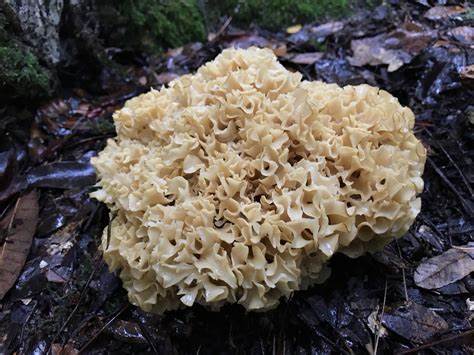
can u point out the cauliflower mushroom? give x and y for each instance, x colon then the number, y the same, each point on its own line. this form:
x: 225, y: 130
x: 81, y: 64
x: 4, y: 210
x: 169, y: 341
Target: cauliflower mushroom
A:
x: 236, y: 184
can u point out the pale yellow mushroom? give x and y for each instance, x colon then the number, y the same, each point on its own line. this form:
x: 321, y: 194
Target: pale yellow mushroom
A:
x: 238, y: 183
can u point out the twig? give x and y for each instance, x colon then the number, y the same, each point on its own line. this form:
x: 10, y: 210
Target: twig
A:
x: 403, y: 272
x: 467, y: 334
x: 83, y: 292
x: 148, y: 337
x: 434, y: 229
x: 377, y: 337
x: 89, y: 220
x: 85, y: 140
x: 25, y: 323
x: 10, y: 223
x: 451, y: 160
x: 334, y: 345
x: 103, y: 328
x: 450, y: 185
x: 222, y: 29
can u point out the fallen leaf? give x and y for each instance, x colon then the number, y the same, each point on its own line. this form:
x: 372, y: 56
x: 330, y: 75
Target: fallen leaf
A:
x: 280, y: 50
x: 68, y: 349
x: 166, y: 77
x: 142, y: 80
x: 53, y: 276
x: 470, y: 304
x: 294, y: 29
x: 17, y: 243
x: 306, y: 58
x: 129, y: 332
x: 371, y: 51
x: 395, y: 48
x: 245, y: 41
x: 442, y: 12
x: 327, y: 29
x: 444, y: 269
x: 467, y: 76
x: 62, y: 175
x: 414, y: 322
x: 374, y: 324
x: 463, y: 34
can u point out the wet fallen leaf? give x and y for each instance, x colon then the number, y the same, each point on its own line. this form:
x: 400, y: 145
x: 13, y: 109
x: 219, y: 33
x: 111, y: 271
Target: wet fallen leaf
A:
x: 327, y: 29
x: 17, y: 243
x: 463, y: 34
x: 62, y: 175
x: 442, y: 12
x: 246, y: 41
x: 7, y: 160
x: 470, y: 304
x: 294, y: 29
x: 467, y: 75
x: 444, y: 269
x: 395, y: 48
x: 306, y: 58
x: 414, y: 322
x: 165, y: 78
x: 53, y: 276
x: 129, y: 332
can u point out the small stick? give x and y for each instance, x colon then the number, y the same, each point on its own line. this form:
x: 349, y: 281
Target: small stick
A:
x: 434, y: 228
x: 451, y: 160
x: 148, y: 338
x: 103, y: 328
x: 222, y: 29
x: 450, y: 185
x: 10, y: 223
x: 83, y: 292
x: 403, y: 272
x: 377, y: 337
x: 467, y: 334
x: 26, y: 322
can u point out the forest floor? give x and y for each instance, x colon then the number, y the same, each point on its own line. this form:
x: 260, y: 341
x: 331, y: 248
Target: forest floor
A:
x: 65, y: 300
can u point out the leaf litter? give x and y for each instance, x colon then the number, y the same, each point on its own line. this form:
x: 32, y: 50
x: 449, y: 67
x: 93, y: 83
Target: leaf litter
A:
x: 451, y: 266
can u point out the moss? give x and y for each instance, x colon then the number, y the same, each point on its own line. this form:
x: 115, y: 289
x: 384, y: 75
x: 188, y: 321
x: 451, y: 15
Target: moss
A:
x: 154, y: 24
x: 277, y: 14
x: 21, y: 74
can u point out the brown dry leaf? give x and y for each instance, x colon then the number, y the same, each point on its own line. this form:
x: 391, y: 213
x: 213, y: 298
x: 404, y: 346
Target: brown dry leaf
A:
x: 17, y: 244
x: 414, y: 322
x: 441, y: 12
x: 395, y: 48
x: 280, y: 50
x: 444, y: 269
x: 68, y: 349
x: 306, y: 58
x: 467, y: 74
x: 371, y: 51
